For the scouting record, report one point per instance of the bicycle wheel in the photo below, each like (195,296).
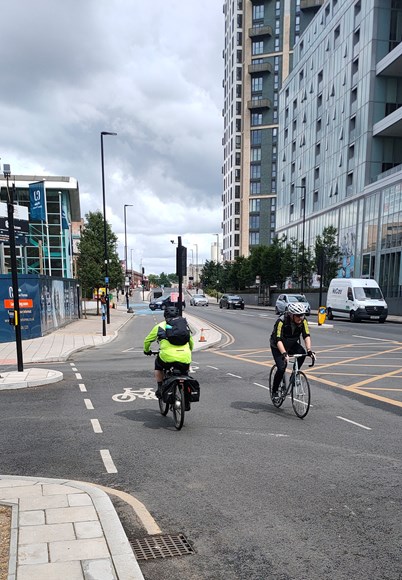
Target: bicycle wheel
(163,407)
(301,395)
(178,406)
(276,401)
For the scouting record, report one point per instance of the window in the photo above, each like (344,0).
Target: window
(256,85)
(237,174)
(254,205)
(256,154)
(254,238)
(254,222)
(239,39)
(256,137)
(337,33)
(356,37)
(257,47)
(237,208)
(258,12)
(237,158)
(255,172)
(237,191)
(255,188)
(256,119)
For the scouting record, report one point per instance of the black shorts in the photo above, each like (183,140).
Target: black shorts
(161,365)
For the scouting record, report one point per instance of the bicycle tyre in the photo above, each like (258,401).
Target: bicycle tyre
(178,406)
(276,401)
(163,407)
(301,396)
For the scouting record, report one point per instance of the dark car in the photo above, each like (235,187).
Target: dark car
(162,302)
(284,300)
(231,301)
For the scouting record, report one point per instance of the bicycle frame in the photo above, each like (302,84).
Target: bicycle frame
(298,387)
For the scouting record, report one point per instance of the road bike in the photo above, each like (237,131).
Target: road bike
(297,387)
(178,392)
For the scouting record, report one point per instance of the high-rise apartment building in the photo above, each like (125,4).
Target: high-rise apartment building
(340,137)
(259,40)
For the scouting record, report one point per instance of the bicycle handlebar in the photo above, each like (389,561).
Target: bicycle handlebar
(300,355)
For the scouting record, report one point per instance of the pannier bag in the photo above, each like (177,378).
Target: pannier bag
(193,390)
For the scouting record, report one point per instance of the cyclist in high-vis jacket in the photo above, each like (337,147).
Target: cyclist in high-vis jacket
(285,340)
(168,353)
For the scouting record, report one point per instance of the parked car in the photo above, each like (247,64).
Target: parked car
(284,300)
(231,301)
(162,302)
(199,300)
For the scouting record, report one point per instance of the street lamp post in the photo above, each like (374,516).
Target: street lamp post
(106,258)
(303,188)
(15,319)
(125,253)
(196,266)
(217,266)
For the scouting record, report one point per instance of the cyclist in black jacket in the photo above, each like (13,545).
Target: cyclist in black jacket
(285,340)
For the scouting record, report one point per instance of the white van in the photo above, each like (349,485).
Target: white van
(356,299)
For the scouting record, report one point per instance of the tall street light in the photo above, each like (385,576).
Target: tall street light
(126,282)
(217,266)
(125,237)
(303,188)
(196,266)
(105,234)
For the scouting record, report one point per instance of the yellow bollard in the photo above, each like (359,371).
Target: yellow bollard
(322,315)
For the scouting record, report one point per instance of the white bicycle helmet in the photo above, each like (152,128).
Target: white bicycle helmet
(297,308)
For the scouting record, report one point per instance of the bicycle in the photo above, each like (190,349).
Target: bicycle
(298,387)
(178,392)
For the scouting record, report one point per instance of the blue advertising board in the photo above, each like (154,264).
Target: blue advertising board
(46,304)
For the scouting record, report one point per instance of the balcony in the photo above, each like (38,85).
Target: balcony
(311,4)
(260,68)
(258,104)
(260,31)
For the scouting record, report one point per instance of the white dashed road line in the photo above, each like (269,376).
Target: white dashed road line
(354,423)
(215,368)
(83,388)
(96,426)
(262,386)
(88,404)
(236,376)
(108,461)
(78,376)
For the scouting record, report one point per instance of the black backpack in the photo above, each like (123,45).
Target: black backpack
(176,332)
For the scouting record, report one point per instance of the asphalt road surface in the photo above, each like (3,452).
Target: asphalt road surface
(259,493)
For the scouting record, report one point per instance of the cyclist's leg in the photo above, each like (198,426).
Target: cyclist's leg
(280,369)
(159,373)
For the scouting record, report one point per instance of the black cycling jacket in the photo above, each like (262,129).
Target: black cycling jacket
(288,332)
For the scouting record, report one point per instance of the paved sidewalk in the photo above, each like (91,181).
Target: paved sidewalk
(64,529)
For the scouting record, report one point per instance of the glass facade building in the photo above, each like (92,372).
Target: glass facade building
(340,137)
(49,246)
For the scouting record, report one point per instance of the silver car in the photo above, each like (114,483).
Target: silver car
(284,300)
(199,300)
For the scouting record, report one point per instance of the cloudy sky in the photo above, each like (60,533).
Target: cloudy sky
(149,71)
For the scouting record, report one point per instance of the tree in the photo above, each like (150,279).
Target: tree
(327,254)
(91,258)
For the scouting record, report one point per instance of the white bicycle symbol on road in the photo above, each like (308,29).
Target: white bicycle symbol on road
(130,395)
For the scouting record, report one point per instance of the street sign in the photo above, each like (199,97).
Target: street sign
(106,280)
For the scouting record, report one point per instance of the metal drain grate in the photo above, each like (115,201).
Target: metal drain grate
(161,546)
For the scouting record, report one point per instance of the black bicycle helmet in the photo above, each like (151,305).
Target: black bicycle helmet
(171,312)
